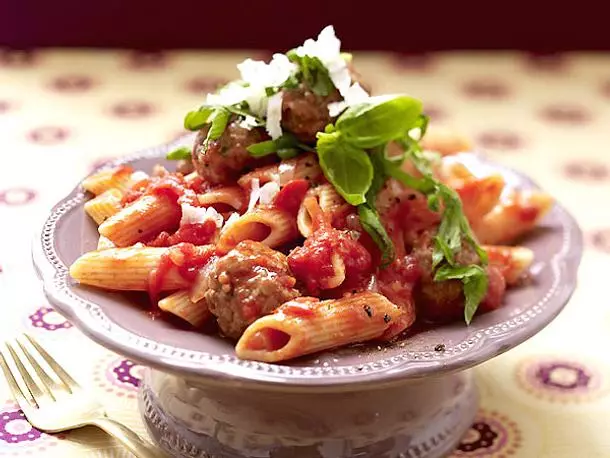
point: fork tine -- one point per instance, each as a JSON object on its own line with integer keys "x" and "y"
{"x": 37, "y": 394}
{"x": 47, "y": 382}
{"x": 14, "y": 386}
{"x": 70, "y": 383}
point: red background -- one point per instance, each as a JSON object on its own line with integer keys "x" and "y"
{"x": 404, "y": 26}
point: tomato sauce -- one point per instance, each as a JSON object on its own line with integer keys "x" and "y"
{"x": 196, "y": 233}
{"x": 192, "y": 260}
{"x": 291, "y": 195}
{"x": 172, "y": 186}
{"x": 312, "y": 262}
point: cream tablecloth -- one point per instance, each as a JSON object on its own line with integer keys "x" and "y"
{"x": 62, "y": 112}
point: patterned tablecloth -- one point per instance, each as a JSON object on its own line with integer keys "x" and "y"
{"x": 62, "y": 112}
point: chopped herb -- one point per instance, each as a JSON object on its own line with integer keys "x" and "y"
{"x": 368, "y": 310}
{"x": 179, "y": 154}
{"x": 286, "y": 147}
{"x": 220, "y": 119}
{"x": 195, "y": 120}
{"x": 313, "y": 72}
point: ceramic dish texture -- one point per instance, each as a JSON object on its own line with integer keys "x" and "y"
{"x": 113, "y": 320}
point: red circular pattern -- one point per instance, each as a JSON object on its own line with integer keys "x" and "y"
{"x": 16, "y": 58}
{"x": 48, "y": 135}
{"x": 132, "y": 109}
{"x": 566, "y": 114}
{"x": 72, "y": 83}
{"x": 600, "y": 239}
{"x": 586, "y": 170}
{"x": 414, "y": 62}
{"x": 14, "y": 197}
{"x": 146, "y": 60}
{"x": 5, "y": 106}
{"x": 546, "y": 62}
{"x": 487, "y": 88}
{"x": 205, "y": 84}
{"x": 500, "y": 140}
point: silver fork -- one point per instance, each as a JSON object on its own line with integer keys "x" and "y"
{"x": 53, "y": 401}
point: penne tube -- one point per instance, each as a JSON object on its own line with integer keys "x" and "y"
{"x": 515, "y": 215}
{"x": 330, "y": 203}
{"x": 141, "y": 220}
{"x": 118, "y": 177}
{"x": 304, "y": 167}
{"x": 179, "y": 304}
{"x": 104, "y": 243}
{"x": 445, "y": 141}
{"x": 228, "y": 198}
{"x": 103, "y": 206}
{"x": 513, "y": 261}
{"x": 125, "y": 269}
{"x": 267, "y": 225}
{"x": 307, "y": 325}
{"x": 480, "y": 195}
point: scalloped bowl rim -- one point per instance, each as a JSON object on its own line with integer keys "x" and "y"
{"x": 487, "y": 343}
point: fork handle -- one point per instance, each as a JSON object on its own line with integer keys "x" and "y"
{"x": 127, "y": 437}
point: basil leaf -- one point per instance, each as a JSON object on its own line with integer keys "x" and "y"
{"x": 313, "y": 73}
{"x": 240, "y": 111}
{"x": 378, "y": 120}
{"x": 285, "y": 147}
{"x": 379, "y": 176}
{"x": 475, "y": 283}
{"x": 195, "y": 120}
{"x": 349, "y": 169}
{"x": 179, "y": 154}
{"x": 287, "y": 153}
{"x": 262, "y": 148}
{"x": 370, "y": 221}
{"x": 424, "y": 185}
{"x": 220, "y": 119}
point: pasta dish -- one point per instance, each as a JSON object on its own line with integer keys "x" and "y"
{"x": 309, "y": 214}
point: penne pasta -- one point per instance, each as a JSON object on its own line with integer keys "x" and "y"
{"x": 179, "y": 304}
{"x": 516, "y": 214}
{"x": 118, "y": 177}
{"x": 513, "y": 261}
{"x": 480, "y": 195}
{"x": 267, "y": 225}
{"x": 125, "y": 269}
{"x": 307, "y": 325}
{"x": 104, "y": 243}
{"x": 445, "y": 141}
{"x": 228, "y": 198}
{"x": 304, "y": 167}
{"x": 143, "y": 219}
{"x": 104, "y": 205}
{"x": 330, "y": 203}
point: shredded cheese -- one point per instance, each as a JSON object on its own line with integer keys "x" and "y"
{"x": 274, "y": 116}
{"x": 255, "y": 193}
{"x": 198, "y": 215}
{"x": 268, "y": 192}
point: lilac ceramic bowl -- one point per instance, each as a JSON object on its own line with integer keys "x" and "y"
{"x": 413, "y": 398}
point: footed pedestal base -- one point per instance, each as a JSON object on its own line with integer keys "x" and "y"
{"x": 417, "y": 419}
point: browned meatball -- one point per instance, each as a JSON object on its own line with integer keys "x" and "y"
{"x": 250, "y": 281}
{"x": 305, "y": 113}
{"x": 439, "y": 301}
{"x": 226, "y": 158}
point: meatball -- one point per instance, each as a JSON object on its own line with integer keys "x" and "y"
{"x": 226, "y": 158}
{"x": 439, "y": 301}
{"x": 304, "y": 113}
{"x": 250, "y": 281}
